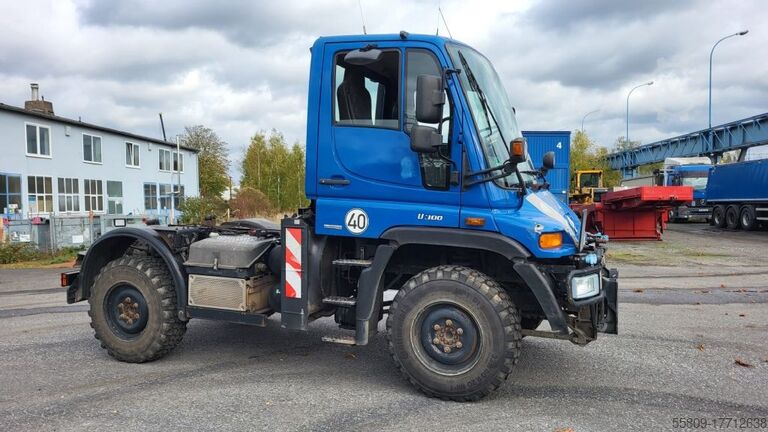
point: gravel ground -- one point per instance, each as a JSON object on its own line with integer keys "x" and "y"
{"x": 689, "y": 308}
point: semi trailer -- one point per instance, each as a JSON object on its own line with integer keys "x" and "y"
{"x": 419, "y": 185}
{"x": 738, "y": 194}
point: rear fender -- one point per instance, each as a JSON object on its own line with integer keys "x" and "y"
{"x": 114, "y": 244}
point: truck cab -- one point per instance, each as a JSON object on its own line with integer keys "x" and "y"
{"x": 425, "y": 207}
{"x": 694, "y": 172}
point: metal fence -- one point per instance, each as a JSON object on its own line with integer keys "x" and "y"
{"x": 53, "y": 233}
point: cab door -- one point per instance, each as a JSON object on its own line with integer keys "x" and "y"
{"x": 369, "y": 180}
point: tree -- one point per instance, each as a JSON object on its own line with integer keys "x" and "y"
{"x": 213, "y": 159}
{"x": 586, "y": 155}
{"x": 249, "y": 202}
{"x": 196, "y": 209}
{"x": 270, "y": 167}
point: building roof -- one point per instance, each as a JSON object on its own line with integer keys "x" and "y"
{"x": 22, "y": 111}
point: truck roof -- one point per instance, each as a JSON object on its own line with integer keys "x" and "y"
{"x": 435, "y": 39}
{"x": 701, "y": 160}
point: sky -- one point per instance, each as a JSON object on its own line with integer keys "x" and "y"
{"x": 240, "y": 67}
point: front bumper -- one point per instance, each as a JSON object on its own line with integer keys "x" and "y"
{"x": 580, "y": 319}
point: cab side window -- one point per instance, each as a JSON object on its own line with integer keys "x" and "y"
{"x": 368, "y": 95}
{"x": 435, "y": 170}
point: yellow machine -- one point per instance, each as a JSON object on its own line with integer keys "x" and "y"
{"x": 588, "y": 182}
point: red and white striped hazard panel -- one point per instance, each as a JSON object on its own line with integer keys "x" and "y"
{"x": 293, "y": 262}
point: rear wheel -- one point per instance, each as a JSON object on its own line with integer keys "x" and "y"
{"x": 732, "y": 217}
{"x": 133, "y": 309}
{"x": 718, "y": 216}
{"x": 454, "y": 333}
{"x": 748, "y": 218}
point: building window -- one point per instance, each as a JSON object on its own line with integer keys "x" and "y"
{"x": 69, "y": 195}
{"x": 171, "y": 192}
{"x": 10, "y": 192}
{"x": 166, "y": 156}
{"x": 166, "y": 192}
{"x": 114, "y": 197}
{"x": 178, "y": 162}
{"x": 38, "y": 140}
{"x": 91, "y": 148}
{"x": 94, "y": 195}
{"x": 165, "y": 159}
{"x": 178, "y": 195}
{"x": 40, "y": 194}
{"x": 150, "y": 196}
{"x": 132, "y": 154}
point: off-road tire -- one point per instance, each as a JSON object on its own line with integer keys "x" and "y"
{"x": 732, "y": 217}
{"x": 163, "y": 330}
{"x": 495, "y": 317}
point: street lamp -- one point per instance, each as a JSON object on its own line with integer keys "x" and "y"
{"x": 628, "y": 95}
{"x": 584, "y": 118}
{"x": 741, "y": 33}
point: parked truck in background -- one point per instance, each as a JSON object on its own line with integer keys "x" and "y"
{"x": 738, "y": 194}
{"x": 559, "y": 142}
{"x": 419, "y": 184}
{"x": 688, "y": 171}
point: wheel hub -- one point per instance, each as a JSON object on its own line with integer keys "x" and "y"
{"x": 449, "y": 336}
{"x": 126, "y": 311}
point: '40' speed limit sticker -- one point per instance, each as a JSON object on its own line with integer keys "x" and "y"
{"x": 356, "y": 221}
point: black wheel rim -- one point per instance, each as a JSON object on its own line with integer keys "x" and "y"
{"x": 448, "y": 340}
{"x": 126, "y": 311}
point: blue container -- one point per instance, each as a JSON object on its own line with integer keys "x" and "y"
{"x": 540, "y": 142}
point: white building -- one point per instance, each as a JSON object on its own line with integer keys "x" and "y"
{"x": 52, "y": 166}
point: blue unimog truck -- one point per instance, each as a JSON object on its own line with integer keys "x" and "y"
{"x": 420, "y": 184}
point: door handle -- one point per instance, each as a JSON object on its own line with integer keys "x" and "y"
{"x": 334, "y": 181}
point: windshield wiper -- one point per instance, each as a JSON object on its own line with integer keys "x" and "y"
{"x": 489, "y": 116}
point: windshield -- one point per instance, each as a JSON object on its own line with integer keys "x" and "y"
{"x": 498, "y": 110}
{"x": 698, "y": 183}
{"x": 590, "y": 180}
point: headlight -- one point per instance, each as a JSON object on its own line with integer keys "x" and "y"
{"x": 585, "y": 286}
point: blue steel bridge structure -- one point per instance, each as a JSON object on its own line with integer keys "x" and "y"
{"x": 736, "y": 135}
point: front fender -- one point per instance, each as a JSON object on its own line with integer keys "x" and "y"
{"x": 114, "y": 244}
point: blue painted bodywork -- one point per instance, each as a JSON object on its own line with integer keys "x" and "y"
{"x": 740, "y": 182}
{"x": 383, "y": 174}
{"x": 559, "y": 142}
{"x": 677, "y": 170}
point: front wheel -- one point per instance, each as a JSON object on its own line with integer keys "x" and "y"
{"x": 454, "y": 333}
{"x": 133, "y": 309}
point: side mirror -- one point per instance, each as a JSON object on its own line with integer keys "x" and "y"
{"x": 549, "y": 160}
{"x": 425, "y": 139}
{"x": 363, "y": 57}
{"x": 430, "y": 99}
{"x": 517, "y": 150}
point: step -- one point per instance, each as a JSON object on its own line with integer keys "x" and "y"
{"x": 348, "y": 340}
{"x": 352, "y": 262}
{"x": 340, "y": 301}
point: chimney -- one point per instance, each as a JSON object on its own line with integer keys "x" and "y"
{"x": 37, "y": 104}
{"x": 35, "y": 91}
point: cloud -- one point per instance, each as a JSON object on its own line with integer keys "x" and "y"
{"x": 242, "y": 66}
